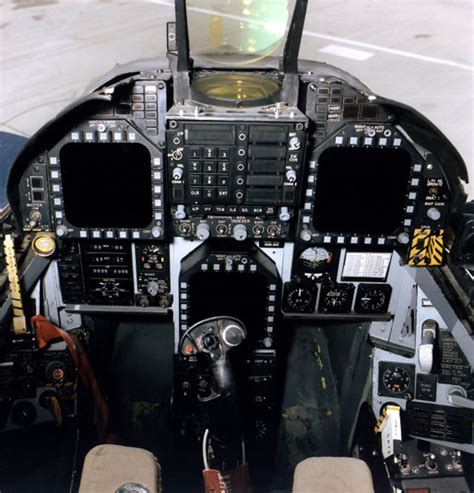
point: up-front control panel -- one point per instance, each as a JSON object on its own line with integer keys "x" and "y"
{"x": 234, "y": 180}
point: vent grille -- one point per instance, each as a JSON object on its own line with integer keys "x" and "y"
{"x": 439, "y": 422}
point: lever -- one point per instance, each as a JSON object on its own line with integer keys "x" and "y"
{"x": 211, "y": 340}
{"x": 214, "y": 338}
{"x": 425, "y": 349}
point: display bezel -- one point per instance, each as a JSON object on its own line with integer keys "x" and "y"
{"x": 116, "y": 133}
{"x": 310, "y": 235}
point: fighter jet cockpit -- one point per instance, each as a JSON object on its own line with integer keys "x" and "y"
{"x": 230, "y": 270}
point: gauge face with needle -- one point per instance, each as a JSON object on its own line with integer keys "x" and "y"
{"x": 152, "y": 258}
{"x": 373, "y": 298}
{"x": 396, "y": 379}
{"x": 299, "y": 297}
{"x": 336, "y": 298}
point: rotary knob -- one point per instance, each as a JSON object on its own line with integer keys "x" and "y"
{"x": 203, "y": 232}
{"x": 306, "y": 235}
{"x": 177, "y": 174}
{"x": 61, "y": 231}
{"x": 403, "y": 238}
{"x": 157, "y": 232}
{"x": 240, "y": 232}
{"x": 284, "y": 214}
{"x": 180, "y": 212}
{"x": 295, "y": 143}
{"x": 153, "y": 288}
{"x": 291, "y": 175}
{"x": 434, "y": 214}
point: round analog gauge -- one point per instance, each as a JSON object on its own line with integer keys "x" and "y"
{"x": 314, "y": 259}
{"x": 396, "y": 380}
{"x": 336, "y": 298}
{"x": 373, "y": 298}
{"x": 152, "y": 258}
{"x": 300, "y": 298}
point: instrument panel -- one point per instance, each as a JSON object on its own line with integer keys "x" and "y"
{"x": 334, "y": 176}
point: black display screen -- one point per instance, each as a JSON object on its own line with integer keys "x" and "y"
{"x": 107, "y": 185}
{"x": 242, "y": 296}
{"x": 361, "y": 190}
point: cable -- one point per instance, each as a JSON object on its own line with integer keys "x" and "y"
{"x": 204, "y": 449}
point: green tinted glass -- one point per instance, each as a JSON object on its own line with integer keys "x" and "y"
{"x": 250, "y": 28}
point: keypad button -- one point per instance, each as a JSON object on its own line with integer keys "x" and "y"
{"x": 222, "y": 193}
{"x": 195, "y": 166}
{"x": 257, "y": 210}
{"x": 209, "y": 180}
{"x": 269, "y": 211}
{"x": 195, "y": 192}
{"x": 195, "y": 180}
{"x": 219, "y": 209}
{"x": 223, "y": 167}
{"x": 195, "y": 209}
{"x": 209, "y": 152}
{"x": 207, "y": 209}
{"x": 232, "y": 209}
{"x": 223, "y": 181}
{"x": 244, "y": 209}
{"x": 195, "y": 152}
{"x": 209, "y": 193}
{"x": 209, "y": 167}
{"x": 224, "y": 153}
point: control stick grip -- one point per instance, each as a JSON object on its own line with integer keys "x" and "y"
{"x": 213, "y": 338}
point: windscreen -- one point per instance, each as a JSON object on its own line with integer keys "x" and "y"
{"x": 249, "y": 29}
{"x": 106, "y": 185}
{"x": 361, "y": 190}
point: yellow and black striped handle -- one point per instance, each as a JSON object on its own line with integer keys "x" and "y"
{"x": 19, "y": 320}
{"x": 427, "y": 248}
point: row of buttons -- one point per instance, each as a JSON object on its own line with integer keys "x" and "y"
{"x": 209, "y": 180}
{"x": 111, "y": 235}
{"x": 105, "y": 136}
{"x": 368, "y": 141}
{"x": 242, "y": 210}
{"x": 209, "y": 167}
{"x": 209, "y": 152}
{"x": 208, "y": 193}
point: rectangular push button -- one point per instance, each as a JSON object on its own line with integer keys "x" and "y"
{"x": 267, "y": 152}
{"x": 265, "y": 181}
{"x": 268, "y": 134}
{"x": 266, "y": 166}
{"x": 263, "y": 195}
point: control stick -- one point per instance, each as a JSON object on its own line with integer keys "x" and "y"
{"x": 211, "y": 340}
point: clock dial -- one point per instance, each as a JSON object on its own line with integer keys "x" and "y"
{"x": 396, "y": 379}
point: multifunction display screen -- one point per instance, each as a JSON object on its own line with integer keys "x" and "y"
{"x": 106, "y": 185}
{"x": 361, "y": 190}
